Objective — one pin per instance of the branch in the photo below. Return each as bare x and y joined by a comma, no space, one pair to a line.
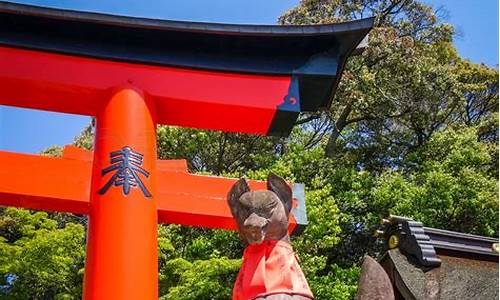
388,11
308,119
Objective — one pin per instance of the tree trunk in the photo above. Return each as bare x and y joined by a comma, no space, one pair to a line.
340,124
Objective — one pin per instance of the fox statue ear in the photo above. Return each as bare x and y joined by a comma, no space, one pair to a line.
238,189
279,186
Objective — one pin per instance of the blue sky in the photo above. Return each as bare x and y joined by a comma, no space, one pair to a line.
31,131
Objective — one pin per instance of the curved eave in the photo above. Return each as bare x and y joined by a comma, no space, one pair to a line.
313,55
184,26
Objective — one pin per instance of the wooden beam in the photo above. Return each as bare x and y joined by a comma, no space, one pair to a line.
63,184
232,102
44,183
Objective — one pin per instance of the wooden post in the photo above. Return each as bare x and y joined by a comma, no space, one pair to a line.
122,254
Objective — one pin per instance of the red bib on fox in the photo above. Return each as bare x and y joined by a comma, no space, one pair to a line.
270,268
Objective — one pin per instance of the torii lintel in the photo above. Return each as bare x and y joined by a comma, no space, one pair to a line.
236,78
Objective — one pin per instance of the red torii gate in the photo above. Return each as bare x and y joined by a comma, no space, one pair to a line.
131,74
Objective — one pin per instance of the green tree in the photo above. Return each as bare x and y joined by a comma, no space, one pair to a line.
216,152
210,279
450,188
407,84
38,260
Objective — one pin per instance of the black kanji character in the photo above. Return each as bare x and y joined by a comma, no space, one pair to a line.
127,163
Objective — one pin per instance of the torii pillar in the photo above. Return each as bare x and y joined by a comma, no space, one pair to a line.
132,74
122,234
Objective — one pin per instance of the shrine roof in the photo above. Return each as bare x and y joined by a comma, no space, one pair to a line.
314,54
456,278
430,263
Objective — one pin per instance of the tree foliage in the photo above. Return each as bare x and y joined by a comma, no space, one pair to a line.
38,259
451,187
413,131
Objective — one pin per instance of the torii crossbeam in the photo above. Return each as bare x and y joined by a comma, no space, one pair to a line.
135,73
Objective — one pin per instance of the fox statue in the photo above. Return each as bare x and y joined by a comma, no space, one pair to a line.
270,268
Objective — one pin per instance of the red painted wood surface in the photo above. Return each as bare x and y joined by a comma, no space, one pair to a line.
63,184
122,258
45,183
184,97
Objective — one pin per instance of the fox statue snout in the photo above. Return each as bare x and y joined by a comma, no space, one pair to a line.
256,227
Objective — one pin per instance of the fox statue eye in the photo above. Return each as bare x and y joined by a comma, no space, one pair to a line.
244,213
266,213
